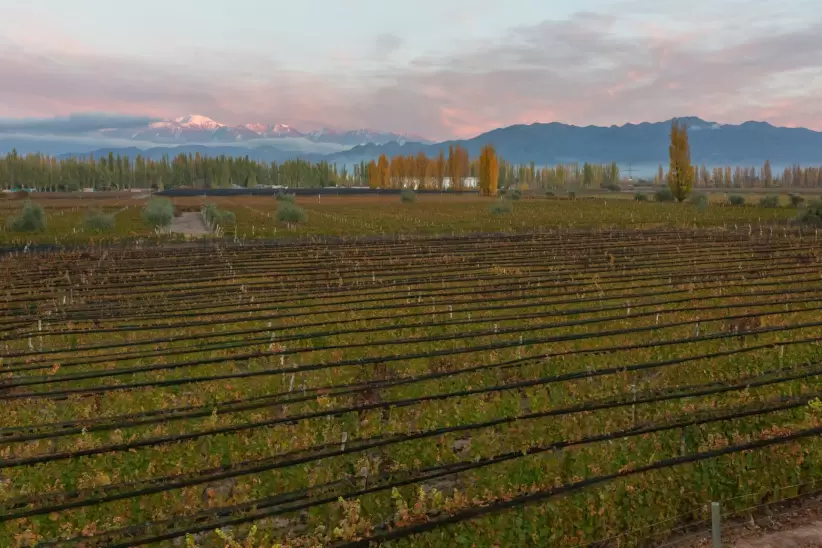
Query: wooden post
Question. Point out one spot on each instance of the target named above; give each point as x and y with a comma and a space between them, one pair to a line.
716, 525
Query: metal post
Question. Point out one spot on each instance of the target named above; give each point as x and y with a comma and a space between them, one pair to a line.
716, 525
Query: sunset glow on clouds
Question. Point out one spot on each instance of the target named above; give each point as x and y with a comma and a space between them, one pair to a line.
436, 68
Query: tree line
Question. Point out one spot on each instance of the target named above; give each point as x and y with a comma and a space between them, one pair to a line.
454, 170
795, 176
114, 172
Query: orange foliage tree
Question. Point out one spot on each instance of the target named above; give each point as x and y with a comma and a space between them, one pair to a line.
383, 171
488, 171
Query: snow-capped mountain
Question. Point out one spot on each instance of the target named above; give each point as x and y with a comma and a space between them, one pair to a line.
360, 136
195, 121
196, 128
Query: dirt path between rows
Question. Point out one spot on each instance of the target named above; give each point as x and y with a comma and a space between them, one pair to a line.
190, 223
797, 525
804, 536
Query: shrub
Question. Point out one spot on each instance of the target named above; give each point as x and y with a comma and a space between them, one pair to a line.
32, 218
812, 214
158, 212
549, 194
572, 195
287, 212
640, 197
664, 195
698, 198
213, 216
502, 207
769, 201
736, 200
98, 221
407, 195
612, 187
286, 198
514, 194
796, 200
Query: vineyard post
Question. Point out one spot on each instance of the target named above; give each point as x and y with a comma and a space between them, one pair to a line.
716, 525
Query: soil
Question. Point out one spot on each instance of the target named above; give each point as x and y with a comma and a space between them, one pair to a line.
190, 223
795, 525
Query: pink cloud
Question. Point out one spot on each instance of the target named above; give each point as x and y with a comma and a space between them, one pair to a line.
578, 71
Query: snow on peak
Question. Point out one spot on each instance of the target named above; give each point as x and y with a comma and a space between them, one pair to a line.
198, 121
259, 129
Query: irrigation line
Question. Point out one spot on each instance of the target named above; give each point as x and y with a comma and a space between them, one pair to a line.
278, 285
33, 380
467, 256
429, 280
165, 416
435, 522
393, 358
608, 403
354, 388
38, 364
300, 307
258, 506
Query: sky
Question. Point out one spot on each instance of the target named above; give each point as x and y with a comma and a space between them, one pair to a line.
437, 68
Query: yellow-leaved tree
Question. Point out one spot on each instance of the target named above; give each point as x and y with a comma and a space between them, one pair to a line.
488, 171
383, 171
681, 174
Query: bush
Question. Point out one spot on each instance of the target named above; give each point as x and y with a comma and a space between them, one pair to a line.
286, 198
407, 195
698, 199
213, 216
502, 207
769, 201
98, 221
812, 214
640, 197
549, 194
796, 200
664, 195
513, 194
736, 200
32, 218
614, 187
289, 213
572, 195
158, 212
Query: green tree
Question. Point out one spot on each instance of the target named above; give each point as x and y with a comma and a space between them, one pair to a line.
681, 174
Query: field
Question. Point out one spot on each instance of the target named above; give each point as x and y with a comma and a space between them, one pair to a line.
383, 216
579, 373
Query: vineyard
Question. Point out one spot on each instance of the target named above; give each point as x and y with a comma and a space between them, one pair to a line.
567, 387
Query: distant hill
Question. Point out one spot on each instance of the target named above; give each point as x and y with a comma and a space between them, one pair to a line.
642, 146
750, 143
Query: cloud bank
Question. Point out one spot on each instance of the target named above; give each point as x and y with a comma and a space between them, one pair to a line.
74, 123
591, 68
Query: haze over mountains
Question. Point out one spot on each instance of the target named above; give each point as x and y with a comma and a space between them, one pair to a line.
642, 146
81, 134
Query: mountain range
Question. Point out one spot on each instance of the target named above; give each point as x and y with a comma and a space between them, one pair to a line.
639, 147
74, 135
201, 130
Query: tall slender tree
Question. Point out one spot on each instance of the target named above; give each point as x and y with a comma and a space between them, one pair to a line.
681, 174
488, 171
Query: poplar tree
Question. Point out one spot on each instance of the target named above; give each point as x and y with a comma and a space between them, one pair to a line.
488, 171
681, 174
